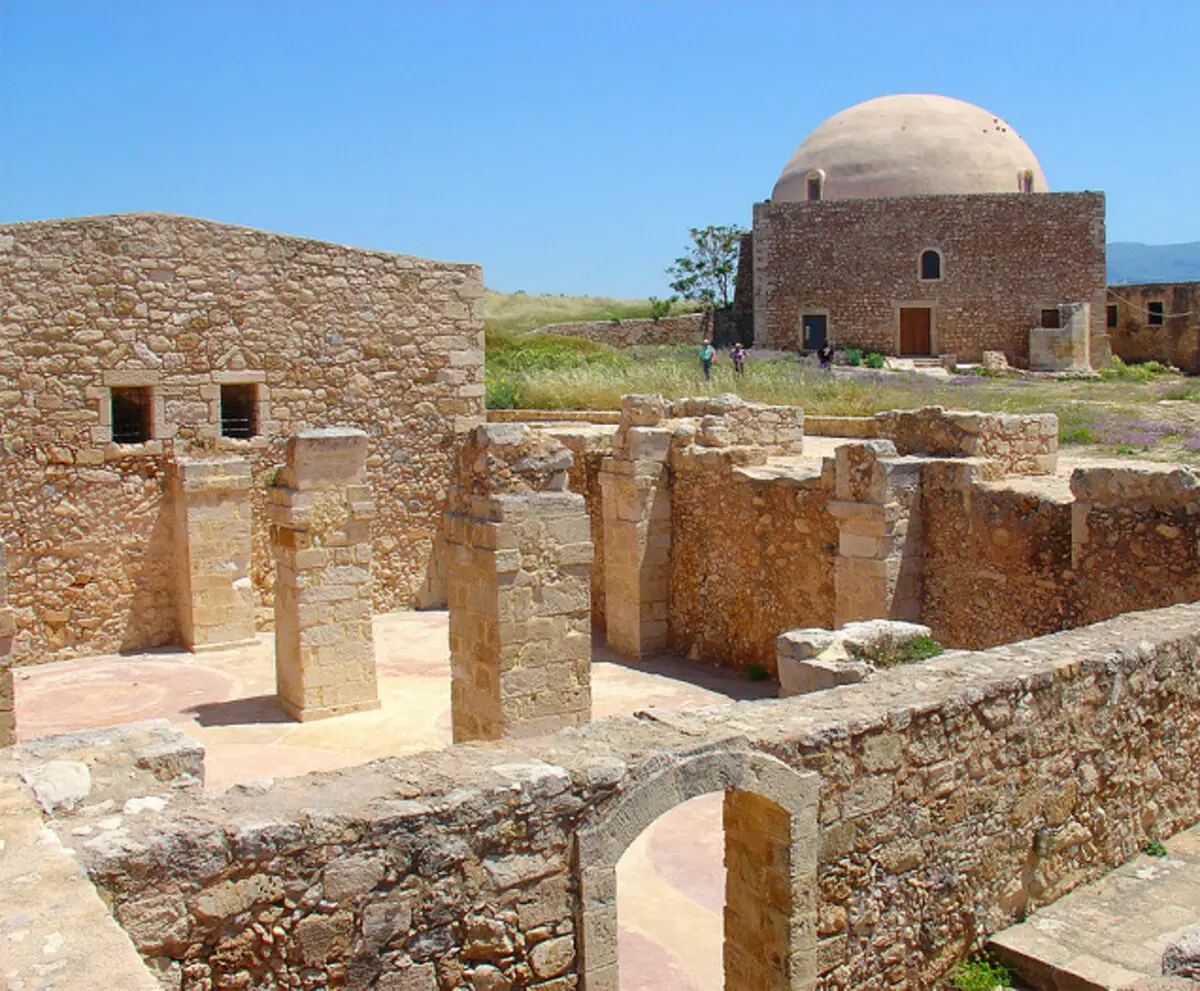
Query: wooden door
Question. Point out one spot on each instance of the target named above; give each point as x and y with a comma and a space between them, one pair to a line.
915, 325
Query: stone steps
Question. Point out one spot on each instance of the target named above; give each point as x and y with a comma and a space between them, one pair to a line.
1110, 934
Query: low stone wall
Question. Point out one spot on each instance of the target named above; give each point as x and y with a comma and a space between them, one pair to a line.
863, 427
687, 328
1024, 445
8, 715
554, 416
1006, 562
954, 797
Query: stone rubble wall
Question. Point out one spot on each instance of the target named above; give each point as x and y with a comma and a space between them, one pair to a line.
326, 335
956, 796
8, 713
1175, 341
686, 328
1005, 562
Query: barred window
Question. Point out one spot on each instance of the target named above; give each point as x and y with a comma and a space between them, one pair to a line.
239, 411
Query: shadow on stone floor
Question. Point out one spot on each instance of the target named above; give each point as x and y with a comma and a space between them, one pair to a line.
239, 712
730, 682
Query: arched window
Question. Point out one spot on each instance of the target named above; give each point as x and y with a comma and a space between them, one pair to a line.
931, 265
1025, 181
816, 185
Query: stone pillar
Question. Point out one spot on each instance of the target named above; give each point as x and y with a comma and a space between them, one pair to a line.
213, 592
635, 484
519, 587
8, 712
879, 568
321, 511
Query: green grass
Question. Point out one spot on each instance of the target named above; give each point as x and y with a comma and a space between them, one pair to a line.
1154, 848
1119, 414
980, 973
521, 311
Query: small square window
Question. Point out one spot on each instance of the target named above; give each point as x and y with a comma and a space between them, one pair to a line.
1112, 315
132, 414
1154, 313
239, 411
1050, 318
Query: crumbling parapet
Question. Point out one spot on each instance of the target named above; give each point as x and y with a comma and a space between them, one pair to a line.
518, 582
637, 529
321, 512
8, 714
878, 572
213, 591
1023, 444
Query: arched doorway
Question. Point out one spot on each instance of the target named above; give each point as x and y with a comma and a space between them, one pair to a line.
770, 819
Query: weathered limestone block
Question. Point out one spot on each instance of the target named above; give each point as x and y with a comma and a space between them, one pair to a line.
212, 545
879, 568
1181, 958
813, 660
321, 512
518, 581
1064, 348
637, 534
1024, 445
8, 715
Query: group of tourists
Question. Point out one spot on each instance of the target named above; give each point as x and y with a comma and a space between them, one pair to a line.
737, 354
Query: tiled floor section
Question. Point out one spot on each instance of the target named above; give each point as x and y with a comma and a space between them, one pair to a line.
671, 880
1112, 932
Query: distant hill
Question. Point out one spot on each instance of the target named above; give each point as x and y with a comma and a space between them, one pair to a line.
1129, 261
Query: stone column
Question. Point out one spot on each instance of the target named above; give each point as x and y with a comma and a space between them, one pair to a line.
879, 568
635, 484
519, 588
212, 548
8, 713
321, 511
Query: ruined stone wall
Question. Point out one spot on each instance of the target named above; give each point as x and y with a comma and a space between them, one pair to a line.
1175, 341
8, 713
687, 328
1004, 562
752, 555
956, 796
1004, 258
325, 335
1020, 444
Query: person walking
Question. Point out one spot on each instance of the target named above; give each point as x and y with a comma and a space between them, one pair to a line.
707, 353
738, 354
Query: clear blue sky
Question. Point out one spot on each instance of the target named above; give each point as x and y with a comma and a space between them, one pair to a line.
565, 145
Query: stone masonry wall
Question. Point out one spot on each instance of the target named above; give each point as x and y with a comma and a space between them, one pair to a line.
752, 555
1020, 444
687, 328
1175, 341
325, 335
1006, 562
1004, 257
8, 714
955, 797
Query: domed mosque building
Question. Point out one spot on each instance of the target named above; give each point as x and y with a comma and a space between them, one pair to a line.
923, 226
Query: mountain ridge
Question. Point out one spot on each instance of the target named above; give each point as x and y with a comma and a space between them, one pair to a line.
1132, 261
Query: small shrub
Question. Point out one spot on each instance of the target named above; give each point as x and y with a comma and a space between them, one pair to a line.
890, 653
1118, 371
1075, 435
854, 357
980, 973
660, 308
1154, 848
756, 672
501, 394
873, 360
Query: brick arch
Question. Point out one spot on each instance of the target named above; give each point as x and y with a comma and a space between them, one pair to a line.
770, 819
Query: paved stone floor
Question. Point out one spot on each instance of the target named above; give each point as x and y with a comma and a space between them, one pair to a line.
671, 881
1111, 933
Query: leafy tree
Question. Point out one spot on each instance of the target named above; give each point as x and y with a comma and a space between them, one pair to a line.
706, 272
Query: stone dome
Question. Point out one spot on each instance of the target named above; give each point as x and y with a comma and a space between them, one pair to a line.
910, 145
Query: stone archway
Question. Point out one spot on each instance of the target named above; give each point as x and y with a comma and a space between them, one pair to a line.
770, 818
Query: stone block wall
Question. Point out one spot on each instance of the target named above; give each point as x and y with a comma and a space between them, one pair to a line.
1174, 341
518, 583
1004, 259
953, 798
214, 595
1020, 444
322, 335
321, 513
686, 328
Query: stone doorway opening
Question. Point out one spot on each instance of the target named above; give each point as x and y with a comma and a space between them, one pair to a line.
769, 845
